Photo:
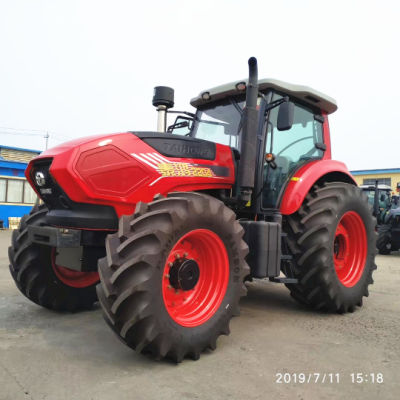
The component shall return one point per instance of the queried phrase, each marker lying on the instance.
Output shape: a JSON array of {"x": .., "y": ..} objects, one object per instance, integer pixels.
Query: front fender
[{"x": 303, "y": 180}]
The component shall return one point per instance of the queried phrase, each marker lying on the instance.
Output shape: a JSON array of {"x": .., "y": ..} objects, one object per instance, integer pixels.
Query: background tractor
[
  {"x": 389, "y": 232},
  {"x": 387, "y": 212},
  {"x": 380, "y": 199},
  {"x": 169, "y": 225}
]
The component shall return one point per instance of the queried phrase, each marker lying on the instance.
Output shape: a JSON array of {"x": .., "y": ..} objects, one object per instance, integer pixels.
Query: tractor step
[{"x": 283, "y": 279}]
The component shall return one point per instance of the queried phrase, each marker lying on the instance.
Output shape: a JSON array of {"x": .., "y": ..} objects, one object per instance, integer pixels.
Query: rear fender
[{"x": 304, "y": 179}]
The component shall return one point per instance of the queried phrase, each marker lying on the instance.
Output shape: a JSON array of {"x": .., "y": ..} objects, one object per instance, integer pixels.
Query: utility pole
[{"x": 46, "y": 136}]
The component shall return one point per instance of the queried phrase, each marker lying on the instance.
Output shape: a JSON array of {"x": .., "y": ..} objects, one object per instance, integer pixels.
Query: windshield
[
  {"x": 383, "y": 197},
  {"x": 219, "y": 123}
]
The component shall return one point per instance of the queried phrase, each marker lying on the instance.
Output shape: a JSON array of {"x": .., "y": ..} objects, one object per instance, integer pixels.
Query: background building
[
  {"x": 16, "y": 195},
  {"x": 388, "y": 177}
]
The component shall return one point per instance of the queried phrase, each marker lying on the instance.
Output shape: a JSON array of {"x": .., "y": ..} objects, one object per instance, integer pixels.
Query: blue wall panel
[
  {"x": 12, "y": 211},
  {"x": 12, "y": 172},
  {"x": 11, "y": 168}
]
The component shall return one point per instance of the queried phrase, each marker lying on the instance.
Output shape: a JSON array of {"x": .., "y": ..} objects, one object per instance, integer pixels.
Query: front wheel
[
  {"x": 173, "y": 275},
  {"x": 40, "y": 279},
  {"x": 332, "y": 238}
]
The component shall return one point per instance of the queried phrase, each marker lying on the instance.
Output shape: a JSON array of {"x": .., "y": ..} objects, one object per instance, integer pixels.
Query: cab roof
[
  {"x": 304, "y": 93},
  {"x": 381, "y": 186}
]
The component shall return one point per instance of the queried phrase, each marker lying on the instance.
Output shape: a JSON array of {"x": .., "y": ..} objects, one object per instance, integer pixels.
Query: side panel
[{"x": 301, "y": 183}]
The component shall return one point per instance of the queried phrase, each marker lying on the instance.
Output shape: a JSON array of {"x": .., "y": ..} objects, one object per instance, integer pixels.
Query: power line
[
  {"x": 60, "y": 137},
  {"x": 20, "y": 133},
  {"x": 33, "y": 132},
  {"x": 21, "y": 129}
]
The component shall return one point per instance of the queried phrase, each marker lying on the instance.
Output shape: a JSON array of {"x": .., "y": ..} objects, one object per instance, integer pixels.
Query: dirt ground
[{"x": 45, "y": 355}]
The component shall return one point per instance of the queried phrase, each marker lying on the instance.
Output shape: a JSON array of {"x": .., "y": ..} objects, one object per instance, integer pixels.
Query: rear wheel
[
  {"x": 332, "y": 238},
  {"x": 173, "y": 275},
  {"x": 40, "y": 279}
]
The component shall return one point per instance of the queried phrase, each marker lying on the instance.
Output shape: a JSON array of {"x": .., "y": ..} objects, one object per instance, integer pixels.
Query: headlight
[{"x": 40, "y": 179}]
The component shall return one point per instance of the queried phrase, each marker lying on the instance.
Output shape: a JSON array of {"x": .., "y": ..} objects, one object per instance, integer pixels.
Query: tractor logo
[
  {"x": 184, "y": 169},
  {"x": 169, "y": 168}
]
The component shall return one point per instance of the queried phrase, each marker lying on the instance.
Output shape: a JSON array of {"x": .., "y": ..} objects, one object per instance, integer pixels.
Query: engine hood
[{"x": 121, "y": 169}]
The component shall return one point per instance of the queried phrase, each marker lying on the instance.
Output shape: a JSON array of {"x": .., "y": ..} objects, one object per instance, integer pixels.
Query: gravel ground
[{"x": 45, "y": 355}]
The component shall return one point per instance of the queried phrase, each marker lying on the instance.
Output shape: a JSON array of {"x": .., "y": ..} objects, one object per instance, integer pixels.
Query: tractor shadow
[
  {"x": 85, "y": 340},
  {"x": 265, "y": 296}
]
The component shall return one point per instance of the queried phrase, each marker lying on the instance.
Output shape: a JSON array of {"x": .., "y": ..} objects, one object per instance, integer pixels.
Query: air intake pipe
[
  {"x": 163, "y": 99},
  {"x": 248, "y": 146}
]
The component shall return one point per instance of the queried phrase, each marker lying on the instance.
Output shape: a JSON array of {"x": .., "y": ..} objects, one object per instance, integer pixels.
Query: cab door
[{"x": 291, "y": 149}]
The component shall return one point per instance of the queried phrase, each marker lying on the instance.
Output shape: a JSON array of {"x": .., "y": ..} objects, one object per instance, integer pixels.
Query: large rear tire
[
  {"x": 173, "y": 275},
  {"x": 37, "y": 276},
  {"x": 332, "y": 238}
]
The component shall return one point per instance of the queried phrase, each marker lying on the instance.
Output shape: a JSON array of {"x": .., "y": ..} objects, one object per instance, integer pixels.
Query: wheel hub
[
  {"x": 184, "y": 274},
  {"x": 195, "y": 278},
  {"x": 350, "y": 248}
]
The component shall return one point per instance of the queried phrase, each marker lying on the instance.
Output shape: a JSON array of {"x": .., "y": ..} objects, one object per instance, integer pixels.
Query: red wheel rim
[
  {"x": 69, "y": 277},
  {"x": 195, "y": 306},
  {"x": 350, "y": 248}
]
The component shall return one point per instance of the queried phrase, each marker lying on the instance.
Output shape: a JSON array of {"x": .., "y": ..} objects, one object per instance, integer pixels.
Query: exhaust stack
[
  {"x": 249, "y": 136},
  {"x": 163, "y": 99}
]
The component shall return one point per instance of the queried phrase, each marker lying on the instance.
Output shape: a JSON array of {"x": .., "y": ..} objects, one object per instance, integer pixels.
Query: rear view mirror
[{"x": 285, "y": 116}]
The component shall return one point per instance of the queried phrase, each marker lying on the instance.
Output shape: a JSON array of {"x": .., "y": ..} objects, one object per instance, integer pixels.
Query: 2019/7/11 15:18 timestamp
[{"x": 316, "y": 377}]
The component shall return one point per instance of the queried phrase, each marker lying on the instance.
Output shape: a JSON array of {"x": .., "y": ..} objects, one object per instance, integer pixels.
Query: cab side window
[{"x": 291, "y": 148}]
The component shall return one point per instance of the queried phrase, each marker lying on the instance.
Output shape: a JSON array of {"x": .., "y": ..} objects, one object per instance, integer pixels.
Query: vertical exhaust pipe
[
  {"x": 248, "y": 146},
  {"x": 376, "y": 200},
  {"x": 163, "y": 99}
]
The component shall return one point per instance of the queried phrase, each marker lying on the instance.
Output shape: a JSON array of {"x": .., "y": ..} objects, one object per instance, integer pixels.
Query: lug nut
[
  {"x": 166, "y": 276},
  {"x": 185, "y": 254},
  {"x": 170, "y": 264},
  {"x": 177, "y": 256}
]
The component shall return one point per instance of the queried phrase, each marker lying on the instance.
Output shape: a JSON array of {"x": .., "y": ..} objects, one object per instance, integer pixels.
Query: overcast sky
[{"x": 76, "y": 68}]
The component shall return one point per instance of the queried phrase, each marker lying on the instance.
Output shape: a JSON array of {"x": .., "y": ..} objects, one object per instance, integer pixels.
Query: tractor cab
[
  {"x": 292, "y": 130},
  {"x": 384, "y": 194},
  {"x": 380, "y": 198}
]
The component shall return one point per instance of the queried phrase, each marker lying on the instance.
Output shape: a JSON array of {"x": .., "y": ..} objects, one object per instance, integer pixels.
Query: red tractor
[{"x": 167, "y": 226}]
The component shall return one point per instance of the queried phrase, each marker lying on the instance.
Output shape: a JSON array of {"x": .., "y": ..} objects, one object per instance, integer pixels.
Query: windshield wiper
[
  {"x": 236, "y": 105},
  {"x": 182, "y": 112}
]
